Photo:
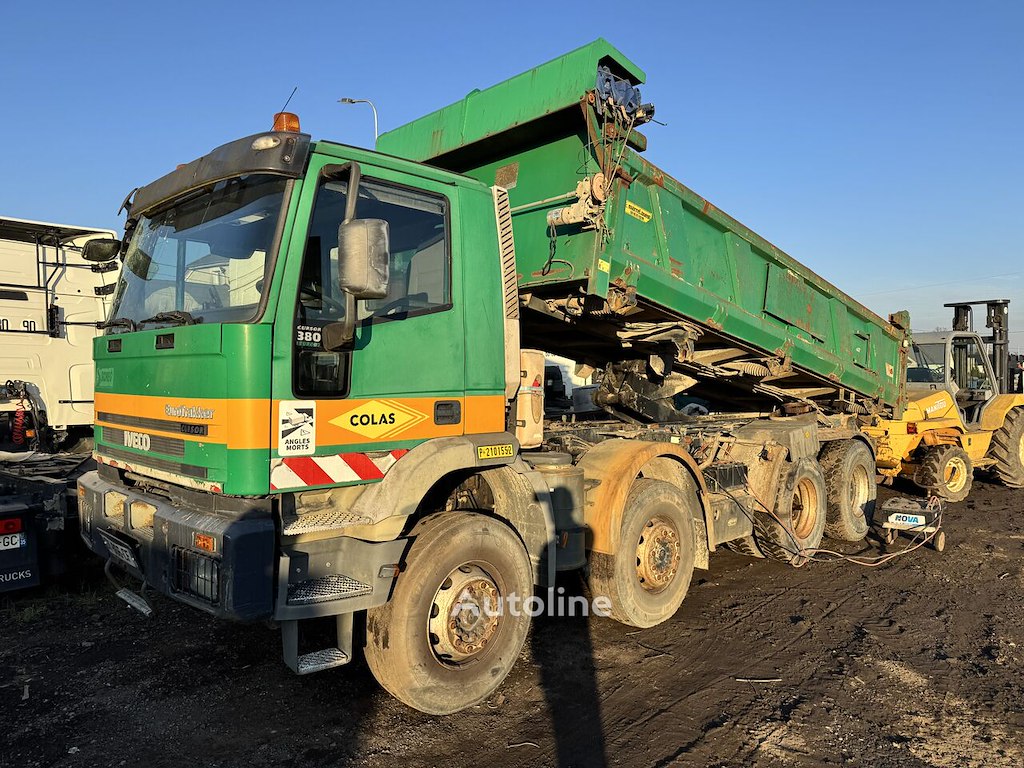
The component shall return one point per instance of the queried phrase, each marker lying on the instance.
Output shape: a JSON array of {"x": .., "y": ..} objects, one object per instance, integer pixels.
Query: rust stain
[
  {"x": 711, "y": 322},
  {"x": 707, "y": 206},
  {"x": 677, "y": 273}
]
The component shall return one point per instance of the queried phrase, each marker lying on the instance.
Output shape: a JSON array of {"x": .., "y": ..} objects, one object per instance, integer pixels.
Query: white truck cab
[{"x": 52, "y": 302}]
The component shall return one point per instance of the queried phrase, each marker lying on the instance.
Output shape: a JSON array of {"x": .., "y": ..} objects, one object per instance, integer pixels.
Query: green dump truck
[{"x": 320, "y": 395}]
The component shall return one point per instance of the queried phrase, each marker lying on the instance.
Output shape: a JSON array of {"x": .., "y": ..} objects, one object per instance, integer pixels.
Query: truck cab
[{"x": 52, "y": 300}]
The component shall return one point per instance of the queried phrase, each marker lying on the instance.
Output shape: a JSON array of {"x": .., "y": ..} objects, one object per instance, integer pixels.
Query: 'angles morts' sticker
[{"x": 296, "y": 428}]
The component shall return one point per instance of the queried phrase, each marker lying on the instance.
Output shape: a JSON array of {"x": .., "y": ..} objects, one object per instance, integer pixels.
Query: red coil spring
[{"x": 18, "y": 430}]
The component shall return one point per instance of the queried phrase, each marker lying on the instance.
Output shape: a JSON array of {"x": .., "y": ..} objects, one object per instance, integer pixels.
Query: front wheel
[
  {"x": 945, "y": 471},
  {"x": 455, "y": 622}
]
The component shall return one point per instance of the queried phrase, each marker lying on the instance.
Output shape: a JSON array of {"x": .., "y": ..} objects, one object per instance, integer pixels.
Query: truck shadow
[{"x": 564, "y": 655}]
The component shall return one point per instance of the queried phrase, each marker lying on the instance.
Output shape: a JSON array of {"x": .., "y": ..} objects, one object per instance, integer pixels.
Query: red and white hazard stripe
[{"x": 302, "y": 471}]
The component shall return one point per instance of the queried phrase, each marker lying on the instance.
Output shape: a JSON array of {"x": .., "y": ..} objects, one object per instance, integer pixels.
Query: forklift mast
[{"x": 997, "y": 318}]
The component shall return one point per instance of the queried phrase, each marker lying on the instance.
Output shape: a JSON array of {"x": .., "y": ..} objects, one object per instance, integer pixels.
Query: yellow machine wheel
[
  {"x": 945, "y": 471},
  {"x": 1008, "y": 449}
]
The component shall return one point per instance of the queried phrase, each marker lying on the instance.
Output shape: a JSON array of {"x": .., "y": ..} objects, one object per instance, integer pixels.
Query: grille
[
  {"x": 325, "y": 589},
  {"x": 171, "y": 446},
  {"x": 140, "y": 460},
  {"x": 196, "y": 575}
]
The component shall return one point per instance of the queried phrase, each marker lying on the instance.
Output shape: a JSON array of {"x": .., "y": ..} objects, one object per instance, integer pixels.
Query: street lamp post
[{"x": 364, "y": 101}]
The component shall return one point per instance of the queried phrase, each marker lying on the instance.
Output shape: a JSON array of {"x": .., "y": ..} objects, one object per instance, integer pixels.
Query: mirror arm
[
  {"x": 341, "y": 334},
  {"x": 354, "y": 175},
  {"x": 353, "y": 192}
]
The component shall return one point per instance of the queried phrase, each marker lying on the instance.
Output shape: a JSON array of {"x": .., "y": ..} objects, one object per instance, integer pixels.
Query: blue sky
[{"x": 880, "y": 143}]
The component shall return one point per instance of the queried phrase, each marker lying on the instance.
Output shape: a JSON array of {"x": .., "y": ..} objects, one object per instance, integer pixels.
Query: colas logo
[{"x": 379, "y": 419}]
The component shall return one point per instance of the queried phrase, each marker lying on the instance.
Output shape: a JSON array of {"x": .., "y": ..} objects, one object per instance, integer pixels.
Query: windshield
[
  {"x": 204, "y": 258},
  {"x": 927, "y": 363}
]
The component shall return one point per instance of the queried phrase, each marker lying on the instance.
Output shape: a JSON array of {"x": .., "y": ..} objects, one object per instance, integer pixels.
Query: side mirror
[
  {"x": 364, "y": 258},
  {"x": 363, "y": 273},
  {"x": 101, "y": 250}
]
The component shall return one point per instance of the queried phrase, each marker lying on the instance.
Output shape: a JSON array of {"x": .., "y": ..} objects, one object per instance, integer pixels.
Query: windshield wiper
[
  {"x": 178, "y": 316},
  {"x": 127, "y": 322}
]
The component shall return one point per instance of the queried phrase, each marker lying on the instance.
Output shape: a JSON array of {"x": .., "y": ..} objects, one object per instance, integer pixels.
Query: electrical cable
[{"x": 813, "y": 554}]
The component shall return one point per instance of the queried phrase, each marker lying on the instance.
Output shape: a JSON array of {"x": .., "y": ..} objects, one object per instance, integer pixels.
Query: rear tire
[
  {"x": 802, "y": 508},
  {"x": 945, "y": 471},
  {"x": 459, "y": 562},
  {"x": 1008, "y": 449},
  {"x": 648, "y": 577},
  {"x": 849, "y": 471}
]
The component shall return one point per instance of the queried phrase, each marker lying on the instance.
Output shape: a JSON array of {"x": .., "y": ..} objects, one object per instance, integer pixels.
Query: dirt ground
[{"x": 918, "y": 663}]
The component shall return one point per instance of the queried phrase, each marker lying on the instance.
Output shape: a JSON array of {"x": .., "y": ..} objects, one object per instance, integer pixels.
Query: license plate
[
  {"x": 120, "y": 551},
  {"x": 13, "y": 541},
  {"x": 495, "y": 451}
]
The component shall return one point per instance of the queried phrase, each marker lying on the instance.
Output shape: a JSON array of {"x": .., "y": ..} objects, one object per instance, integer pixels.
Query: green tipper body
[{"x": 659, "y": 245}]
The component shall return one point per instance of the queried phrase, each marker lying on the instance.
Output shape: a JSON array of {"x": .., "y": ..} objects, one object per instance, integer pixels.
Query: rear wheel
[
  {"x": 798, "y": 522},
  {"x": 1008, "y": 449},
  {"x": 648, "y": 577},
  {"x": 850, "y": 485},
  {"x": 945, "y": 471},
  {"x": 452, "y": 631}
]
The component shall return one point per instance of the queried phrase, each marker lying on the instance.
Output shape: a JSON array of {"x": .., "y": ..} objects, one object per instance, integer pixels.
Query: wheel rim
[
  {"x": 658, "y": 554},
  {"x": 805, "y": 508},
  {"x": 860, "y": 488},
  {"x": 955, "y": 474},
  {"x": 464, "y": 615}
]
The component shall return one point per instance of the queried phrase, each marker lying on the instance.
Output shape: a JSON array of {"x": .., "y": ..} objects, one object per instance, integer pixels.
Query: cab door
[{"x": 347, "y": 416}]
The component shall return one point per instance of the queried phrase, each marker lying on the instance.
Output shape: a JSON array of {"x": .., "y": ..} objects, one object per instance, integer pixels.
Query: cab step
[
  {"x": 136, "y": 601},
  {"x": 325, "y": 658},
  {"x": 317, "y": 661}
]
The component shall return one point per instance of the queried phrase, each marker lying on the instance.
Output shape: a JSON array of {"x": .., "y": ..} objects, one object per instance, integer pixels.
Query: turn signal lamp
[
  {"x": 286, "y": 121},
  {"x": 204, "y": 541},
  {"x": 912, "y": 428}
]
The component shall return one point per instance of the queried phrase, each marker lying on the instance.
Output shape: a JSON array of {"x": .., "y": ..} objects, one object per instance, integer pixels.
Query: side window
[{"x": 420, "y": 280}]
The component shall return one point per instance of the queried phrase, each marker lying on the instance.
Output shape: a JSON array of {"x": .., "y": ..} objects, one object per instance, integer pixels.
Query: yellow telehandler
[{"x": 960, "y": 416}]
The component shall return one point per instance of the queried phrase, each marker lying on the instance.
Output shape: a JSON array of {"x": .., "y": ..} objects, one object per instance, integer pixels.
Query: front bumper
[
  {"x": 224, "y": 555},
  {"x": 159, "y": 541}
]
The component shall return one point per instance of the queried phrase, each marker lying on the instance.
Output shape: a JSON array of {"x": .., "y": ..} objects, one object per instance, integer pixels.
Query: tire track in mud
[{"x": 917, "y": 663}]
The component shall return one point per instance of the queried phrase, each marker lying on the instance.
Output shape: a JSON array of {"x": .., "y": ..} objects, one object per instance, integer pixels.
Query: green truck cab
[{"x": 320, "y": 393}]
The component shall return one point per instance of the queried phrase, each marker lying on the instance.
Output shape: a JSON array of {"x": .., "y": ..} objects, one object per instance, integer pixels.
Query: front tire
[
  {"x": 449, "y": 636},
  {"x": 945, "y": 471},
  {"x": 649, "y": 575}
]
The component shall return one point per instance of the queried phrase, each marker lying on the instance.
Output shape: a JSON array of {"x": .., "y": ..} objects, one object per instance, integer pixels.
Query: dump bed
[{"x": 656, "y": 251}]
